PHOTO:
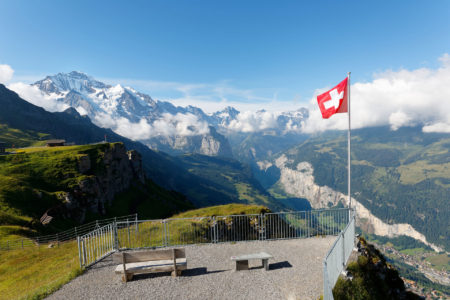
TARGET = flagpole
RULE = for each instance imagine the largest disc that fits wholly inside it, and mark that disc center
(348, 149)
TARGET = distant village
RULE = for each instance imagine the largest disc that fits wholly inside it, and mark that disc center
(418, 262)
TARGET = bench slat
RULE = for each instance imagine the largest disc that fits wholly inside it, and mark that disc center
(261, 255)
(139, 256)
(152, 266)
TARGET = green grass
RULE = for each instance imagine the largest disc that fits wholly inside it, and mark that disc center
(421, 170)
(440, 261)
(414, 251)
(32, 179)
(35, 273)
(223, 210)
(19, 138)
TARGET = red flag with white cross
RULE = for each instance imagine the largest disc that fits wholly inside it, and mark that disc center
(334, 101)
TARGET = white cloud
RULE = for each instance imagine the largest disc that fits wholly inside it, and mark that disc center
(135, 131)
(437, 127)
(394, 98)
(253, 121)
(6, 73)
(33, 95)
(167, 126)
(399, 119)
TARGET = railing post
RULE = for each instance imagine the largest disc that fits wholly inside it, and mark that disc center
(165, 232)
(76, 233)
(79, 251)
(326, 287)
(214, 236)
(308, 223)
(262, 234)
(116, 237)
(128, 230)
(136, 229)
(343, 249)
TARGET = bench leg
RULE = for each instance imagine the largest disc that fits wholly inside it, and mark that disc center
(241, 265)
(127, 277)
(176, 273)
(265, 264)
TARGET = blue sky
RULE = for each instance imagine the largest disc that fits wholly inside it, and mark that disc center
(237, 51)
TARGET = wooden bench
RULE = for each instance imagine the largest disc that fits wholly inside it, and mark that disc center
(150, 261)
(242, 260)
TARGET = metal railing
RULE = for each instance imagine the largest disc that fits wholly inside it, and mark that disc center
(97, 244)
(336, 259)
(61, 237)
(135, 234)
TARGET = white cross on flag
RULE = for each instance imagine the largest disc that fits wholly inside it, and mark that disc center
(334, 101)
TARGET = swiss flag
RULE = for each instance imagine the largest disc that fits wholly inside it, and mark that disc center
(334, 101)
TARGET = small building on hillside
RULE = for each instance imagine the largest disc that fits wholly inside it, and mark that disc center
(55, 143)
(2, 148)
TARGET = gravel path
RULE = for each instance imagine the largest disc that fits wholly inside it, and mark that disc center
(295, 273)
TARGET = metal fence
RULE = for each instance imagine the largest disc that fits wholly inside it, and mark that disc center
(62, 237)
(135, 234)
(97, 244)
(337, 257)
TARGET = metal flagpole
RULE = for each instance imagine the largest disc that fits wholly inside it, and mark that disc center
(348, 148)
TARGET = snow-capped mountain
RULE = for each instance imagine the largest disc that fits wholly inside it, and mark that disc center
(160, 124)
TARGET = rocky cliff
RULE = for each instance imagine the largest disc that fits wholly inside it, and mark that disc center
(300, 183)
(211, 144)
(106, 174)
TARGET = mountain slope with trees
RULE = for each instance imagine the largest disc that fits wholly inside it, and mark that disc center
(401, 176)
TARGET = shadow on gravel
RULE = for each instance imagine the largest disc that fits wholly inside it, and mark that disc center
(200, 271)
(280, 265)
(186, 273)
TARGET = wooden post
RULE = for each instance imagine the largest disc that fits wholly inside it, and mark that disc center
(124, 262)
(174, 257)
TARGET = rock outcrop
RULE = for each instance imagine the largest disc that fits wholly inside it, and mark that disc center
(300, 183)
(211, 144)
(113, 171)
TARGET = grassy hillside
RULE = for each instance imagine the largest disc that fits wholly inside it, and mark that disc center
(35, 273)
(402, 176)
(32, 179)
(21, 138)
(224, 210)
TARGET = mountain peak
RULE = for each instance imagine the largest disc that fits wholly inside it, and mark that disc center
(65, 82)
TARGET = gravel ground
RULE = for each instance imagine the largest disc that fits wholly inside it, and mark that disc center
(295, 272)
